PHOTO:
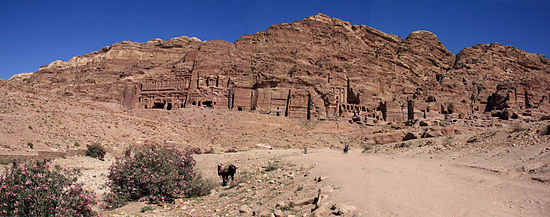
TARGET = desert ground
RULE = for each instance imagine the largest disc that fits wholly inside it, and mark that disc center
(463, 167)
(499, 175)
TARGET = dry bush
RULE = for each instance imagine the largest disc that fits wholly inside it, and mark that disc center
(242, 177)
(272, 166)
(447, 141)
(201, 186)
(210, 151)
(518, 127)
(367, 148)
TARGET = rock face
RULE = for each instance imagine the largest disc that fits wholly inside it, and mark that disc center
(318, 67)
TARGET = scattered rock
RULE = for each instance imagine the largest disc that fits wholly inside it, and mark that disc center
(264, 146)
(278, 213)
(304, 202)
(320, 178)
(423, 123)
(505, 114)
(321, 212)
(244, 209)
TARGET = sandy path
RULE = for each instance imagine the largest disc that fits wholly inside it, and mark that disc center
(381, 186)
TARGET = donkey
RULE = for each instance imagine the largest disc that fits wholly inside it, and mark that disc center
(225, 172)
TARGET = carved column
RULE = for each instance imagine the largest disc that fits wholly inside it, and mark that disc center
(410, 110)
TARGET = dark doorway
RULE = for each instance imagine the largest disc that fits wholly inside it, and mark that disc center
(277, 114)
(240, 108)
(207, 103)
(158, 105)
(169, 106)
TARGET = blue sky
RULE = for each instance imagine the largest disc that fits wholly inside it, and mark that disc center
(35, 33)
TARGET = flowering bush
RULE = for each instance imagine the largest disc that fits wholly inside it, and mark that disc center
(157, 173)
(96, 150)
(35, 190)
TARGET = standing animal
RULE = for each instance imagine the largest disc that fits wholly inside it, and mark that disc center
(226, 171)
(346, 148)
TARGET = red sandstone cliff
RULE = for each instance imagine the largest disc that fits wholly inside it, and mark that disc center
(316, 67)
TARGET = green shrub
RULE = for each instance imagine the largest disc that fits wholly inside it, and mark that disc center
(160, 174)
(96, 150)
(36, 190)
(76, 144)
(147, 208)
(367, 148)
(272, 166)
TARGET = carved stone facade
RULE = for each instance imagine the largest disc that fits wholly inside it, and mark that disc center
(220, 92)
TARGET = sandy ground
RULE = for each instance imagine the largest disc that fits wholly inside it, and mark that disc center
(383, 186)
(376, 184)
(489, 168)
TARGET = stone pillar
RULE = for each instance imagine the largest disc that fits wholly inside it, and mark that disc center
(527, 103)
(410, 110)
(384, 110)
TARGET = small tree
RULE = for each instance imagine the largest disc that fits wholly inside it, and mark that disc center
(35, 190)
(157, 173)
(96, 150)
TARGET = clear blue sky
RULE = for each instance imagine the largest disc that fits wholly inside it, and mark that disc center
(35, 33)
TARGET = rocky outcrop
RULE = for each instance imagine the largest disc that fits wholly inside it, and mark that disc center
(318, 67)
(499, 76)
(20, 77)
(498, 100)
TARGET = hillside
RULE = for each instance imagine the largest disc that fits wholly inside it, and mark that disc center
(321, 66)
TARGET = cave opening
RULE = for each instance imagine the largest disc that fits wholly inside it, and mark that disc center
(207, 103)
(158, 105)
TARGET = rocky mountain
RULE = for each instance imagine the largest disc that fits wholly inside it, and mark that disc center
(319, 67)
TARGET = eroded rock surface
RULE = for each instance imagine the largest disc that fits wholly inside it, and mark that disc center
(319, 68)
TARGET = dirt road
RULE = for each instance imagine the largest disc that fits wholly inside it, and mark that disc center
(381, 186)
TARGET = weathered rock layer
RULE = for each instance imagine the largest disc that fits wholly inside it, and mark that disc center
(318, 67)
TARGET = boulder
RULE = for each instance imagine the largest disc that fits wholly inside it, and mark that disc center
(437, 132)
(385, 138)
(424, 123)
(244, 209)
(409, 136)
(505, 114)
